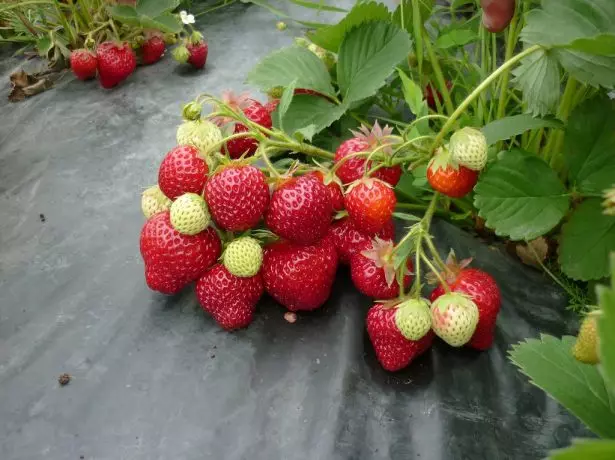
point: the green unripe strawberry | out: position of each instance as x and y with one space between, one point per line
275 92
468 147
154 201
181 54
413 318
243 257
189 214
192 111
454 318
202 134
281 26
585 348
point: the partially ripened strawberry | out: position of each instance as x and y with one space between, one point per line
83 63
238 196
182 171
116 61
348 240
373 272
300 210
152 49
173 260
448 178
483 290
335 189
229 299
370 204
454 318
393 350
366 140
255 112
299 276
198 54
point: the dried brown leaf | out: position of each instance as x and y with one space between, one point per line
533 253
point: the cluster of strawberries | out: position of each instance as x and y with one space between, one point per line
114 62
205 221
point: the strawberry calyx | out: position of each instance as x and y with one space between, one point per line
442 159
451 271
381 253
377 138
369 182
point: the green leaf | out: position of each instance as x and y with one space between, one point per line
124 13
574 27
538 77
166 22
586 449
589 147
587 238
407 217
455 38
368 56
43 46
285 100
606 327
406 20
457 3
154 8
549 364
509 127
282 67
520 196
309 115
318 6
330 38
414 98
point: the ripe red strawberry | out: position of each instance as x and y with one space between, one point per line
182 171
366 140
370 204
373 272
115 63
173 260
430 95
451 181
152 50
238 196
335 190
300 210
393 350
299 276
255 112
198 54
348 240
231 300
484 291
83 64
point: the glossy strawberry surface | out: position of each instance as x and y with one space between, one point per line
370 205
116 61
83 63
348 240
257 113
452 182
182 171
370 279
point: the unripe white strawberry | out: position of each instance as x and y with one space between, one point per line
189 214
468 147
202 134
413 318
154 201
243 257
454 318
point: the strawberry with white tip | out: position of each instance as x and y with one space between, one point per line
454 318
189 214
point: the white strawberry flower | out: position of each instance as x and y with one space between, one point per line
186 18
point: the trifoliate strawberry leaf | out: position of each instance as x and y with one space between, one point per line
582 35
282 67
586 241
584 449
606 326
368 56
509 127
589 145
165 22
330 38
309 115
520 196
549 364
538 77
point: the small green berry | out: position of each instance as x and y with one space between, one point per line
413 318
181 54
202 134
154 201
243 257
189 214
281 26
192 111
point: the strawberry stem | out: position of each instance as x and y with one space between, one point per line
263 153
